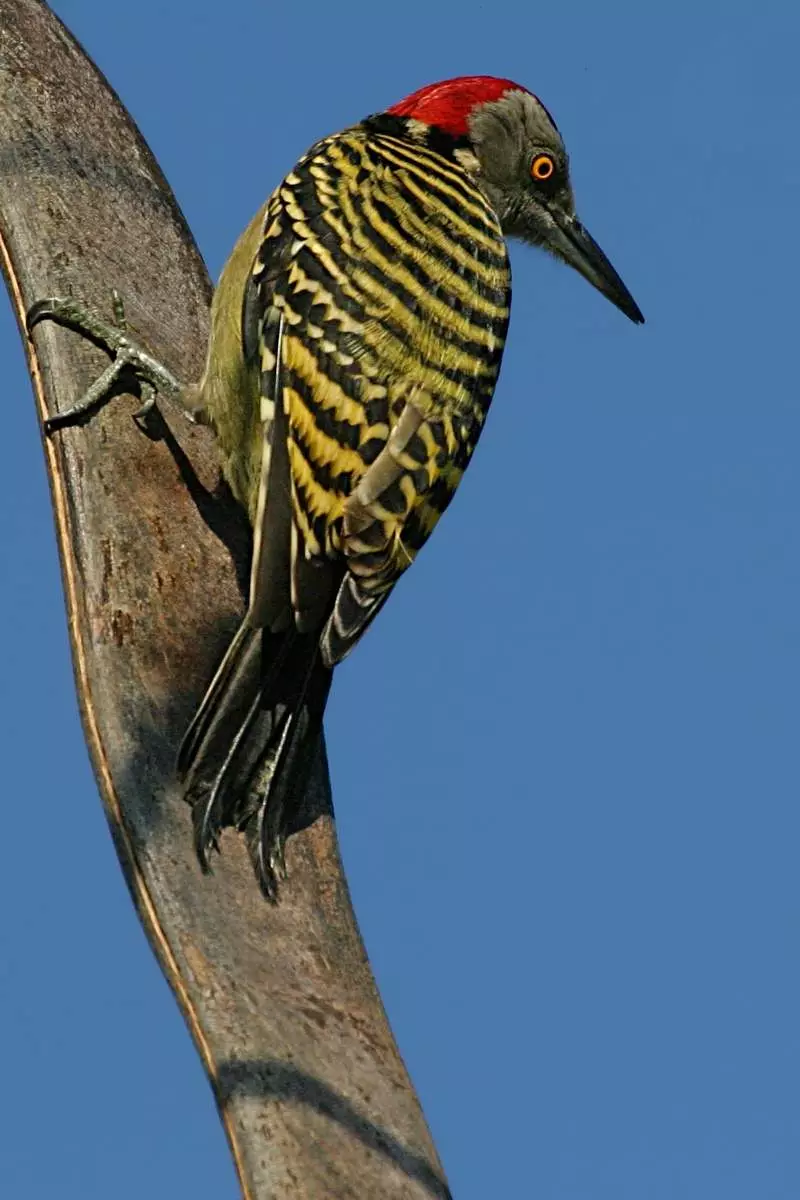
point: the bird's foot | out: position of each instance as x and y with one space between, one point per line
129 362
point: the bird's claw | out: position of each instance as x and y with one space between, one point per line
127 358
148 416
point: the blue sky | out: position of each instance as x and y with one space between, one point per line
582 902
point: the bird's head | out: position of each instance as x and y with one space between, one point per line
511 142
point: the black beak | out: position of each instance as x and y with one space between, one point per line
578 248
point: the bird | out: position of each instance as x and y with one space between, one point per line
357 333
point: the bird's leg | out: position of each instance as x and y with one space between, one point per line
127 359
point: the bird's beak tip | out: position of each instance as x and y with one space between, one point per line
582 252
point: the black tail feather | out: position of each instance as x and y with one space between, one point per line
209 816
241 656
239 731
292 752
245 757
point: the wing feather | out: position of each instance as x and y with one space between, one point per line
374 395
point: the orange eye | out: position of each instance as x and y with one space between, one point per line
543 167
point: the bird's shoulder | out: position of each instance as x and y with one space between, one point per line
403 167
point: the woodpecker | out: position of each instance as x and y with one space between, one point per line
356 337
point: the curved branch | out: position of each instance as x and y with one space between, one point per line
280 1001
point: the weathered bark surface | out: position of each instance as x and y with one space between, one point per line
280 1001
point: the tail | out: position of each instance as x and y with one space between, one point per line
246 755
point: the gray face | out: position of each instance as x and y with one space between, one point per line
509 135
524 171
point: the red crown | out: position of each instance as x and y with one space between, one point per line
448 104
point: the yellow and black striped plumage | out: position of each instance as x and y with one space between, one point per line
391 275
376 293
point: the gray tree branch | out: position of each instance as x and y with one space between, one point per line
280 1001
